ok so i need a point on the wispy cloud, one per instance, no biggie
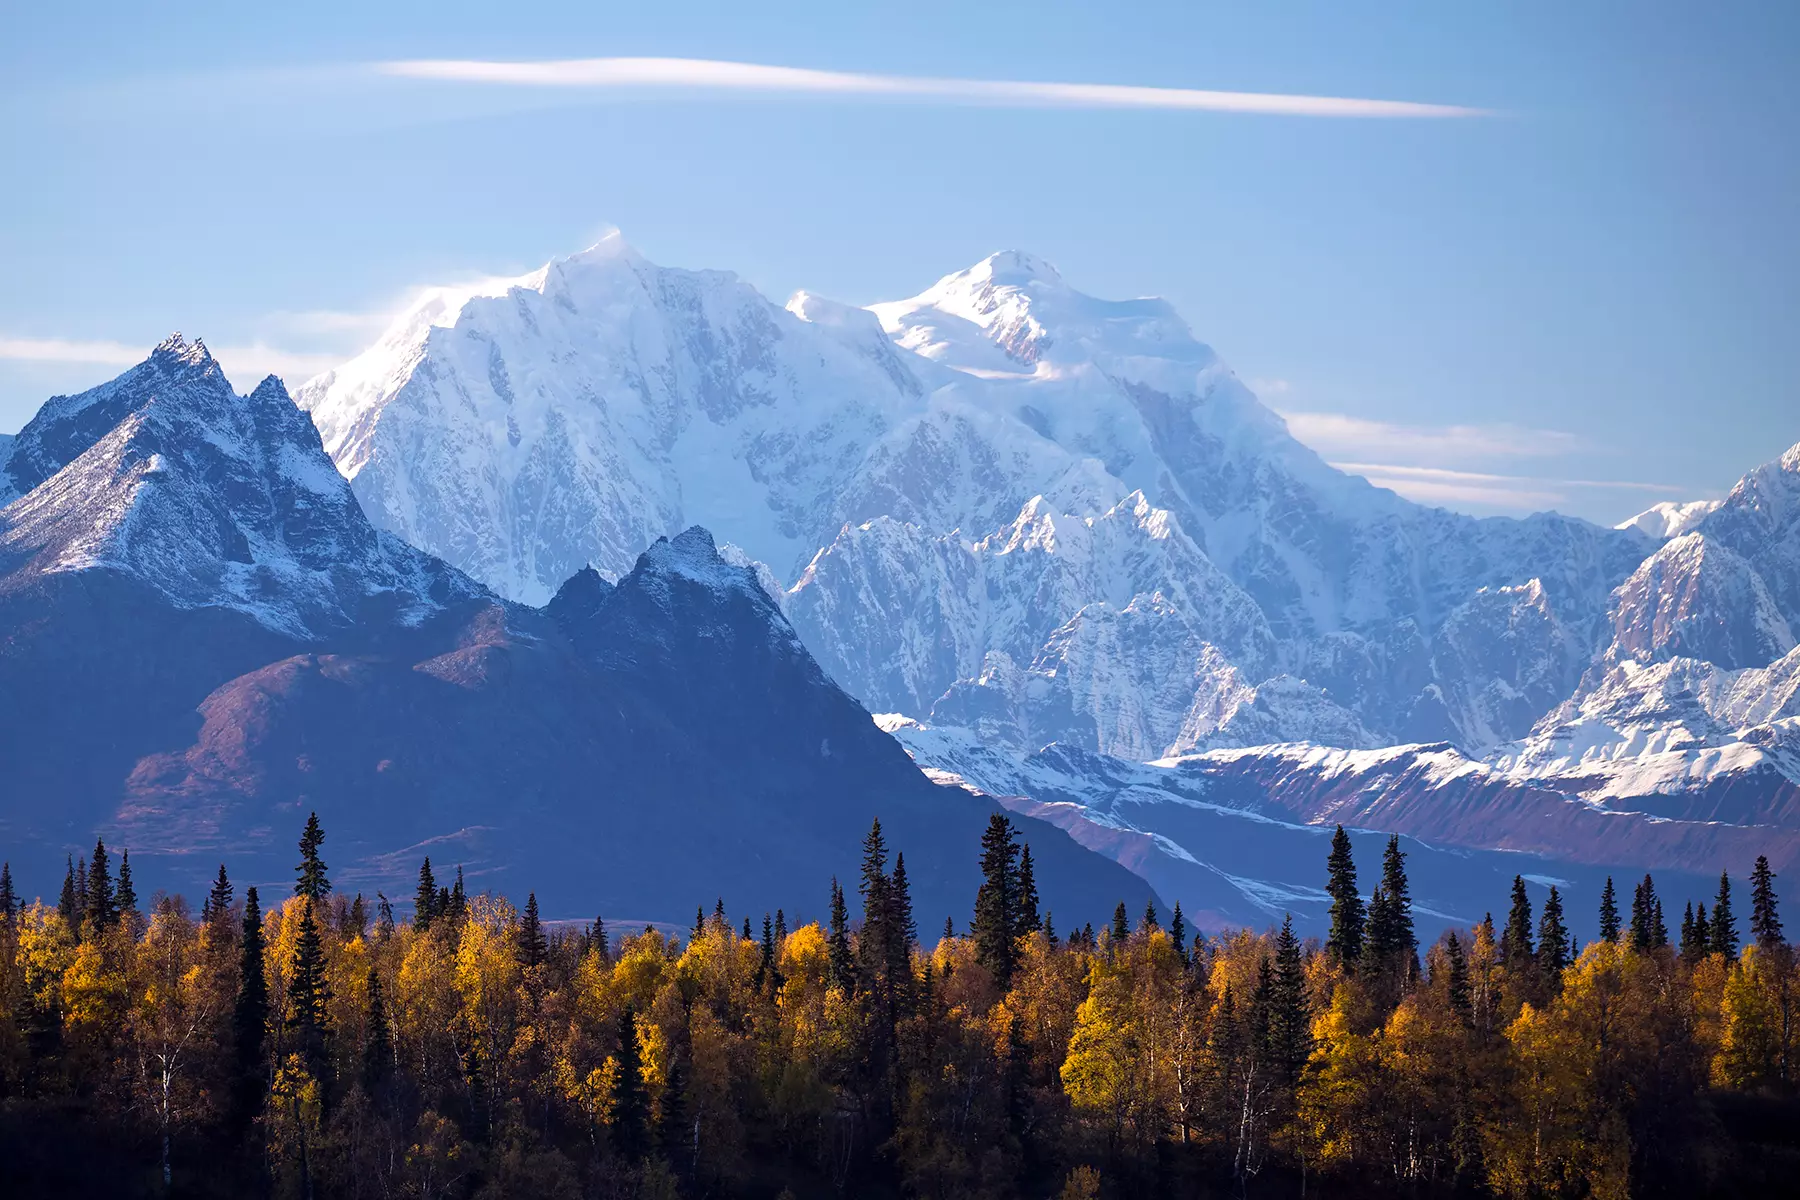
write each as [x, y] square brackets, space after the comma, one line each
[67, 350]
[707, 74]
[1333, 434]
[1481, 489]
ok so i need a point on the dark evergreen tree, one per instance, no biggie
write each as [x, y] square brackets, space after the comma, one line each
[1121, 925]
[1457, 983]
[995, 927]
[1178, 932]
[356, 921]
[1028, 919]
[1050, 929]
[66, 905]
[674, 1133]
[456, 910]
[1609, 913]
[1703, 938]
[631, 1108]
[384, 916]
[1724, 923]
[9, 899]
[1765, 917]
[765, 967]
[102, 908]
[249, 1021]
[1515, 939]
[900, 908]
[425, 900]
[599, 941]
[1289, 1024]
[1345, 941]
[309, 995]
[949, 928]
[378, 1048]
[839, 960]
[719, 911]
[748, 936]
[1150, 921]
[310, 880]
[781, 929]
[217, 906]
[532, 947]
[699, 928]
[125, 898]
[1643, 901]
[1390, 947]
[1553, 948]
[81, 891]
[1693, 946]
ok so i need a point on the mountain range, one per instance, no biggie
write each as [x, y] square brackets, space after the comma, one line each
[1067, 556]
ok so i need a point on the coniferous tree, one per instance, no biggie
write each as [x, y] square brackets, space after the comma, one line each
[949, 928]
[1515, 939]
[1690, 946]
[101, 905]
[748, 936]
[309, 994]
[598, 940]
[1457, 984]
[66, 905]
[9, 900]
[532, 946]
[1659, 930]
[217, 906]
[995, 927]
[1345, 941]
[674, 1137]
[1150, 921]
[1028, 919]
[631, 1109]
[1554, 953]
[378, 1050]
[838, 959]
[81, 890]
[1724, 923]
[781, 929]
[1765, 917]
[1289, 1024]
[125, 899]
[765, 967]
[249, 1020]
[1177, 932]
[384, 916]
[1609, 913]
[1703, 939]
[310, 879]
[1643, 900]
[1390, 947]
[699, 928]
[1121, 925]
[425, 900]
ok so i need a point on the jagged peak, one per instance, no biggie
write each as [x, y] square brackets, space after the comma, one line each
[176, 349]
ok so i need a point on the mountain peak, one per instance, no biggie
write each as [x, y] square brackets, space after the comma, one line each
[1014, 268]
[176, 350]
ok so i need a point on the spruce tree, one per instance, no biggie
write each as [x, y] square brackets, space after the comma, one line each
[378, 1049]
[1457, 985]
[1702, 932]
[781, 929]
[1553, 940]
[598, 939]
[674, 1135]
[1689, 944]
[1028, 919]
[125, 892]
[1345, 941]
[1178, 932]
[1765, 917]
[384, 916]
[1515, 939]
[699, 928]
[425, 899]
[1609, 913]
[1724, 923]
[1390, 947]
[747, 935]
[765, 967]
[1149, 922]
[1289, 1024]
[838, 959]
[1659, 930]
[310, 880]
[1643, 899]
[218, 899]
[532, 947]
[902, 932]
[631, 1110]
[65, 906]
[1121, 925]
[309, 994]
[949, 929]
[81, 891]
[102, 908]
[995, 927]
[249, 1020]
[9, 900]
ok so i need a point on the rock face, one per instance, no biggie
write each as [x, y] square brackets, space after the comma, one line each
[205, 639]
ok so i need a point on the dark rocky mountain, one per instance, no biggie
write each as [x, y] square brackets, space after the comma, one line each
[202, 639]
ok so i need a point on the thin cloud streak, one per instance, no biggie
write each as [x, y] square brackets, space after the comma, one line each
[708, 74]
[240, 363]
[67, 350]
[1480, 489]
[1342, 434]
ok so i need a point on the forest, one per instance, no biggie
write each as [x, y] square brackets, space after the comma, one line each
[316, 1045]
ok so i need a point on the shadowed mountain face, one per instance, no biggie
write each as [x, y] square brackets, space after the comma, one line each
[202, 640]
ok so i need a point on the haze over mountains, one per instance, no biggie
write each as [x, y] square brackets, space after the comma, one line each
[1053, 539]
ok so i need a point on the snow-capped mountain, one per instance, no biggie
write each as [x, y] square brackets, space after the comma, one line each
[999, 478]
[214, 499]
[202, 639]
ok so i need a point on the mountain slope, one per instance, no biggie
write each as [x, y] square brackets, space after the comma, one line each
[643, 747]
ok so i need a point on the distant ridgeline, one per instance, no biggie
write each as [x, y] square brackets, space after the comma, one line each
[317, 1045]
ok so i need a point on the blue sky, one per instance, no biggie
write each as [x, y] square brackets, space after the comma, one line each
[1583, 300]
